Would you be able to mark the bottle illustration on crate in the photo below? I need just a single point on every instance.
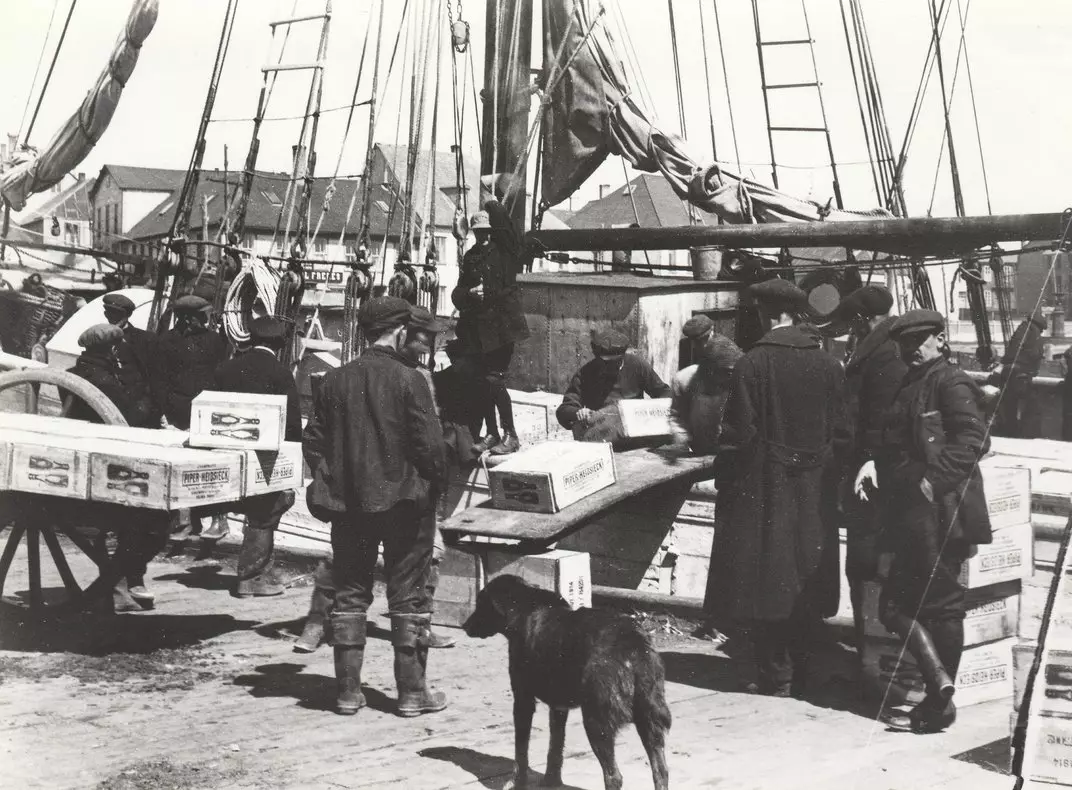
(248, 434)
(231, 420)
(132, 487)
(52, 479)
(120, 472)
(37, 462)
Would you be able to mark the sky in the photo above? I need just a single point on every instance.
(1017, 50)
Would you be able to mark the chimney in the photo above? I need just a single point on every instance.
(81, 177)
(603, 190)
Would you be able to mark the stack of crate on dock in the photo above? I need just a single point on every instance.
(994, 579)
(157, 469)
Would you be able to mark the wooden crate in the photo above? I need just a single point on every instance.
(547, 477)
(268, 471)
(165, 478)
(238, 420)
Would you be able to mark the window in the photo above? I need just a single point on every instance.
(166, 208)
(320, 245)
(272, 197)
(71, 234)
(382, 206)
(107, 219)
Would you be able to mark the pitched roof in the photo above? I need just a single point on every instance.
(396, 159)
(73, 203)
(267, 196)
(146, 179)
(657, 205)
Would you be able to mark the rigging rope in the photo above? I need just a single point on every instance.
(37, 69)
(948, 129)
(975, 110)
(253, 294)
(51, 67)
(707, 81)
(726, 80)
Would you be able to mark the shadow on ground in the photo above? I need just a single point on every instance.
(994, 756)
(493, 772)
(312, 691)
(93, 634)
(200, 580)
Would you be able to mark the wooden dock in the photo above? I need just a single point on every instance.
(206, 692)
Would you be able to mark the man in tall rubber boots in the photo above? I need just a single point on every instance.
(137, 543)
(490, 319)
(776, 562)
(926, 479)
(375, 449)
(259, 371)
(873, 374)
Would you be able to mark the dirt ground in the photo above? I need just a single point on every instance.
(206, 692)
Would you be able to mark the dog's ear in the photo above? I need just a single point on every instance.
(508, 602)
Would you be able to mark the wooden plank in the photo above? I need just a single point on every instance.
(637, 471)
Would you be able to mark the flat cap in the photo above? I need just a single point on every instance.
(609, 341)
(114, 301)
(266, 329)
(191, 304)
(779, 293)
(422, 318)
(721, 352)
(916, 322)
(100, 336)
(697, 326)
(480, 220)
(383, 313)
(868, 302)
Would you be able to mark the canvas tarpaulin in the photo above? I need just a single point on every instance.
(82, 130)
(590, 113)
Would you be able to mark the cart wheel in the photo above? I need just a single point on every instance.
(32, 522)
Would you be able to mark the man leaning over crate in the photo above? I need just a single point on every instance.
(260, 371)
(375, 448)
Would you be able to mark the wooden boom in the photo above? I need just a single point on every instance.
(899, 236)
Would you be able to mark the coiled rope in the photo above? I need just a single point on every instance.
(253, 293)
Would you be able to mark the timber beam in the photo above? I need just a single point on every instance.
(896, 235)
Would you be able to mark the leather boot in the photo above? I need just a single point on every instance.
(256, 576)
(348, 634)
(936, 711)
(409, 633)
(486, 443)
(319, 609)
(509, 444)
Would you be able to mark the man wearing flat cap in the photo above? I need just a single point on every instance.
(187, 357)
(699, 391)
(136, 354)
(612, 376)
(259, 371)
(137, 543)
(490, 318)
(925, 477)
(375, 448)
(873, 375)
(1019, 365)
(776, 557)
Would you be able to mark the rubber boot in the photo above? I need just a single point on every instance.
(122, 600)
(319, 610)
(348, 635)
(256, 575)
(936, 709)
(409, 633)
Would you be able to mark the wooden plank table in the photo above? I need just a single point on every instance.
(637, 471)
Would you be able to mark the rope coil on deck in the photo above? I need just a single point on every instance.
(253, 293)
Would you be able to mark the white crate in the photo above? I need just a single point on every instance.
(1008, 493)
(43, 464)
(1050, 745)
(568, 573)
(1010, 556)
(268, 471)
(992, 613)
(165, 478)
(59, 426)
(643, 417)
(548, 477)
(238, 420)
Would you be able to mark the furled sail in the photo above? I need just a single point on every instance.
(590, 114)
(77, 137)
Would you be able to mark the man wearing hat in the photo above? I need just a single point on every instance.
(926, 478)
(187, 358)
(375, 449)
(612, 376)
(699, 391)
(490, 319)
(136, 543)
(776, 557)
(259, 371)
(873, 375)
(1019, 365)
(135, 353)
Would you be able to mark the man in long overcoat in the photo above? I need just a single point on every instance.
(1019, 365)
(775, 566)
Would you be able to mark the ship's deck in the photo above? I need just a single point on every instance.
(206, 692)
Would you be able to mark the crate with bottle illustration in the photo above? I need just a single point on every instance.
(238, 420)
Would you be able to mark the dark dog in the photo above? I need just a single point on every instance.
(597, 661)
